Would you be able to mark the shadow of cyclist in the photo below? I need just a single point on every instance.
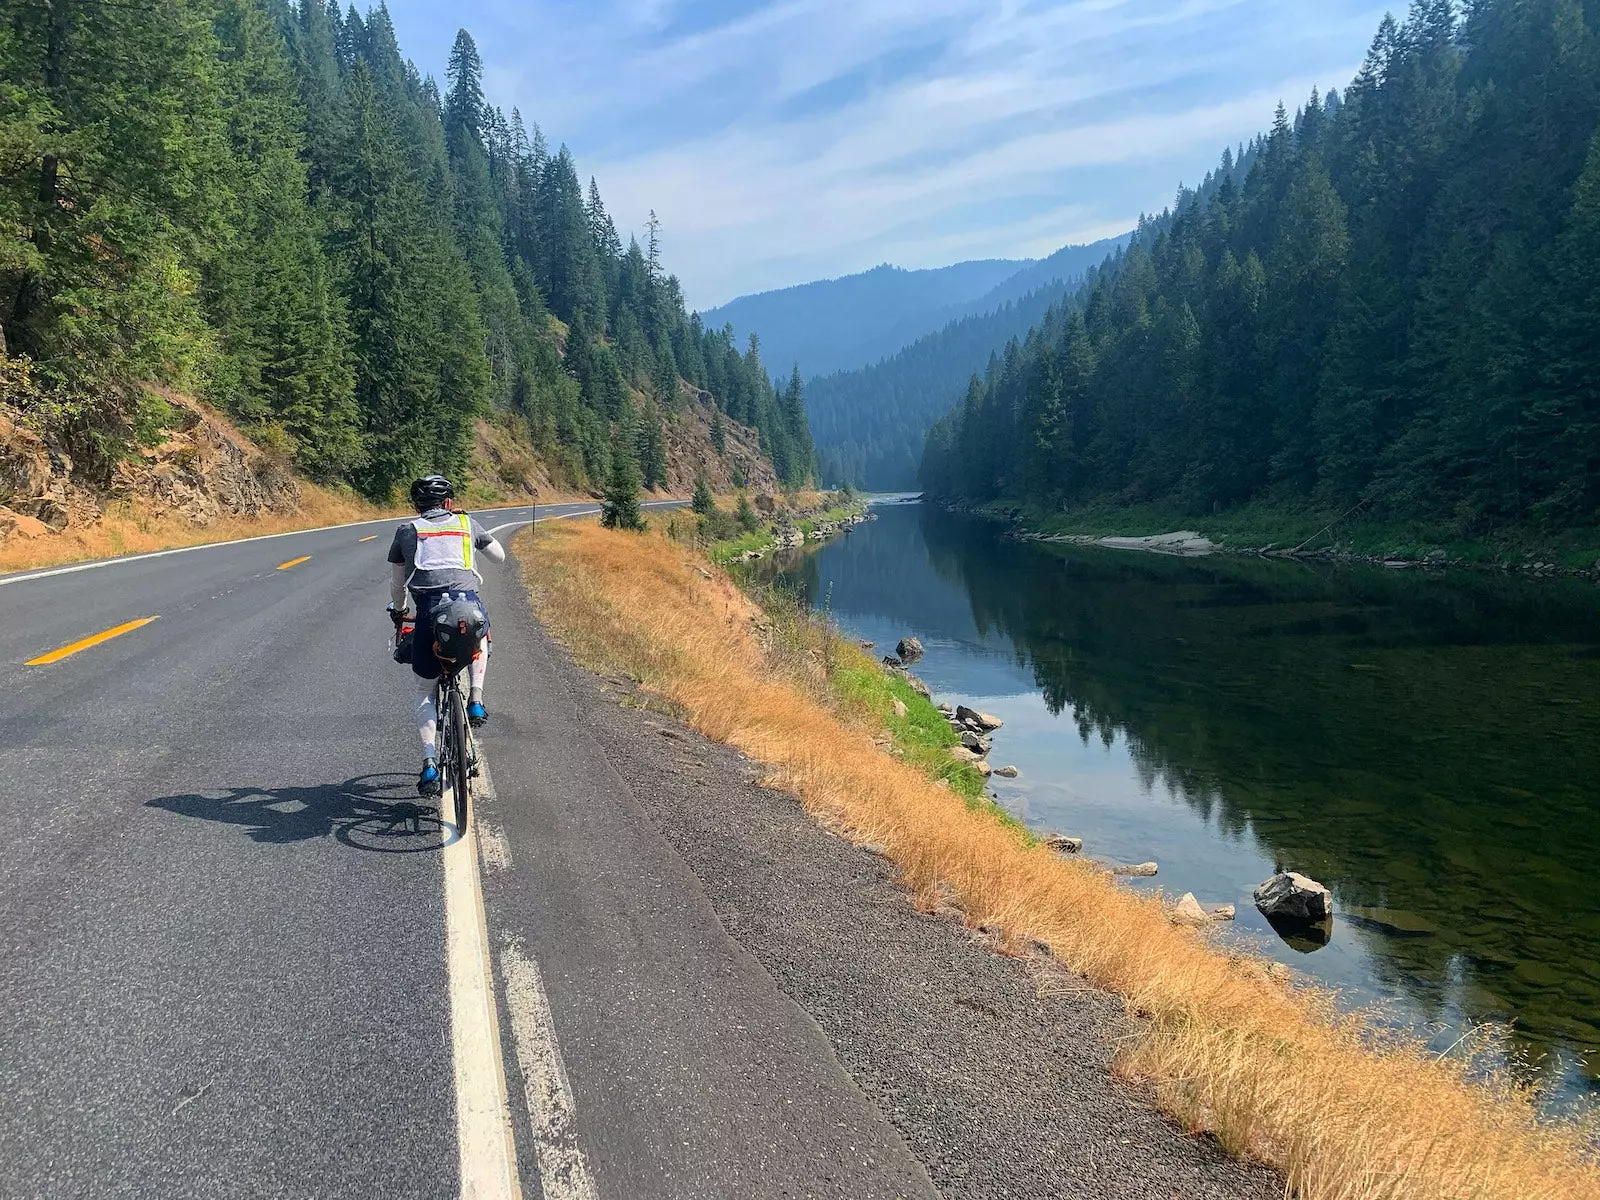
(369, 812)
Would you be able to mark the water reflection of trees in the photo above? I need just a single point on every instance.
(1427, 745)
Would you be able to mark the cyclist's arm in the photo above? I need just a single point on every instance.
(486, 544)
(399, 598)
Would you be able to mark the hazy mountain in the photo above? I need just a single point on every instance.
(834, 324)
(869, 423)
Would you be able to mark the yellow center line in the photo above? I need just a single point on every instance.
(369, 538)
(294, 562)
(67, 651)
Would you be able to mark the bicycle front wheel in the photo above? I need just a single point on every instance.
(461, 757)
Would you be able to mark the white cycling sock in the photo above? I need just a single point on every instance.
(477, 671)
(428, 717)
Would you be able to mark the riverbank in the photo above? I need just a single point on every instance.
(737, 531)
(1316, 534)
(1270, 1071)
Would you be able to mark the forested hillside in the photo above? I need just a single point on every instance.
(870, 423)
(835, 324)
(270, 208)
(1395, 307)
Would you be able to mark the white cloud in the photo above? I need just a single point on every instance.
(1024, 124)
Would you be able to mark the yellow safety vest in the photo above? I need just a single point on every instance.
(444, 544)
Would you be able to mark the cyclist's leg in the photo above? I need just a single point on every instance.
(477, 673)
(425, 667)
(428, 716)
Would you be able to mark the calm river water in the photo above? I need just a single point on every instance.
(1426, 744)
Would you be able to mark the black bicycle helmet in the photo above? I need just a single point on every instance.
(431, 491)
(458, 631)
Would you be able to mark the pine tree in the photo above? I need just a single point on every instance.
(621, 507)
(703, 502)
(112, 143)
(268, 288)
(651, 446)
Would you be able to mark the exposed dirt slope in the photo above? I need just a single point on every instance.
(689, 449)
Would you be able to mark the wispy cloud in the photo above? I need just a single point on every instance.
(792, 139)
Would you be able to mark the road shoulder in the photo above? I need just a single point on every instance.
(994, 1071)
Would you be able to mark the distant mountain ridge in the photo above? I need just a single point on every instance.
(869, 422)
(835, 324)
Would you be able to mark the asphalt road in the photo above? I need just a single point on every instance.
(239, 958)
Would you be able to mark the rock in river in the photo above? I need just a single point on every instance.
(1290, 896)
(1137, 870)
(1189, 912)
(984, 722)
(1007, 772)
(1062, 844)
(976, 743)
(909, 649)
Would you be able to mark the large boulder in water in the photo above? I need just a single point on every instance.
(1292, 897)
(985, 722)
(909, 649)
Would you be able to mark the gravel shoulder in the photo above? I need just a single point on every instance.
(995, 1071)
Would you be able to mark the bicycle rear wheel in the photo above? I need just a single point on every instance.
(460, 765)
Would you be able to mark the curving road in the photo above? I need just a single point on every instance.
(238, 958)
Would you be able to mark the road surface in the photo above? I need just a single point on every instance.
(240, 958)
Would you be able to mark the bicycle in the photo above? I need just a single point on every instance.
(458, 747)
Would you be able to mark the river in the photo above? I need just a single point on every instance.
(1427, 744)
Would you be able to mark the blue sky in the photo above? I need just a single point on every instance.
(800, 139)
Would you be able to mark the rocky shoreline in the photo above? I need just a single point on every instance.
(787, 533)
(1298, 908)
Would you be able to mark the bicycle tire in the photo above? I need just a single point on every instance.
(460, 768)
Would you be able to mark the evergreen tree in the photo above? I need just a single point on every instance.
(269, 206)
(268, 288)
(1396, 309)
(651, 448)
(703, 502)
(111, 135)
(621, 507)
(749, 520)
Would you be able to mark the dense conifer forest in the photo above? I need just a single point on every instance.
(870, 423)
(1396, 307)
(270, 208)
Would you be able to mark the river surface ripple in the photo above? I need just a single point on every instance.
(1425, 743)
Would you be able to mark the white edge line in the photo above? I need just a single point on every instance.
(588, 512)
(486, 1146)
(563, 1170)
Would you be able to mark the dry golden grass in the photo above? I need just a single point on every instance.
(1270, 1070)
(121, 530)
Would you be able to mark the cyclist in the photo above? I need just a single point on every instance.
(432, 563)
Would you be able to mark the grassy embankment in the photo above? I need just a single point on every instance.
(721, 535)
(1260, 526)
(1272, 1072)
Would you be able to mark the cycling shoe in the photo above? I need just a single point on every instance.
(477, 714)
(429, 783)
